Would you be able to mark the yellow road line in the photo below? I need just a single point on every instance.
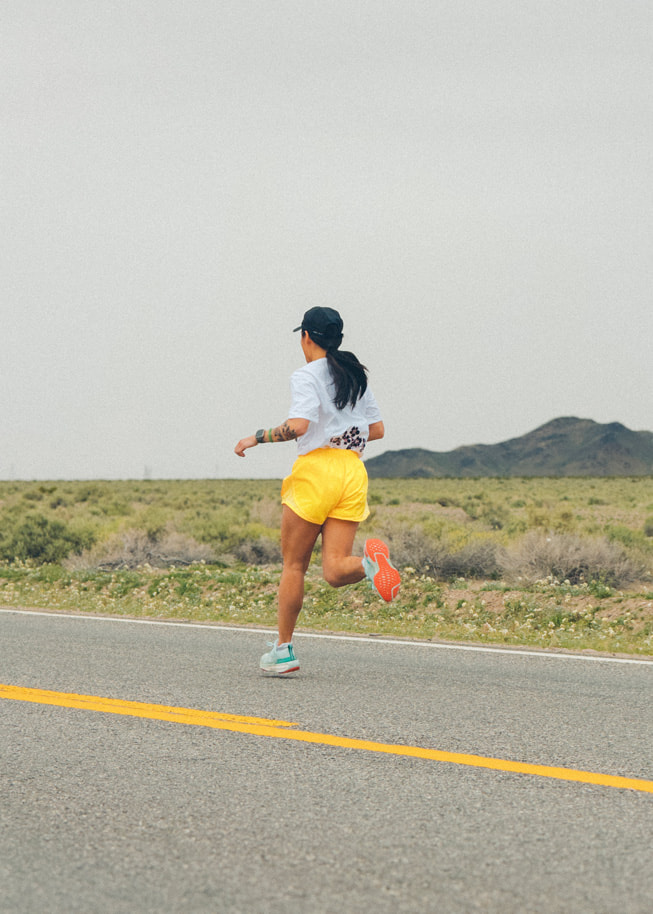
(281, 729)
(137, 709)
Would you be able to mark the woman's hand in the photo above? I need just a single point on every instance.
(244, 443)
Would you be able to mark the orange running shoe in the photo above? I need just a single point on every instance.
(380, 571)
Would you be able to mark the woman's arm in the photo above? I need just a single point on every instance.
(377, 430)
(287, 431)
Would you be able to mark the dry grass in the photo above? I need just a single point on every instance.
(569, 557)
(135, 548)
(550, 563)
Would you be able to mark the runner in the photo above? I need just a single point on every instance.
(333, 414)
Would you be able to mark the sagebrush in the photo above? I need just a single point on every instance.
(571, 529)
(549, 562)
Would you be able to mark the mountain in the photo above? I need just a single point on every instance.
(562, 447)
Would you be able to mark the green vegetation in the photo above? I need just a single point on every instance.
(549, 562)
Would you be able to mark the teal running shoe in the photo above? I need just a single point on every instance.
(280, 659)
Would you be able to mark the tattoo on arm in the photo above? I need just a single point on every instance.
(284, 433)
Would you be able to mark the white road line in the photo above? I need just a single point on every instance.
(369, 639)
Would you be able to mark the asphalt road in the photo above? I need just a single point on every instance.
(108, 813)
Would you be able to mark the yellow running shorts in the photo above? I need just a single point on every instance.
(328, 482)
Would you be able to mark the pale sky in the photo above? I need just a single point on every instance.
(468, 183)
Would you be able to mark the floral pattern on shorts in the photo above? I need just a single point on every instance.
(351, 440)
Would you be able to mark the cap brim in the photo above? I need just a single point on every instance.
(297, 328)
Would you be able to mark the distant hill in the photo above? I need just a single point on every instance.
(563, 447)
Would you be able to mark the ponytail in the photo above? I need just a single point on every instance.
(349, 377)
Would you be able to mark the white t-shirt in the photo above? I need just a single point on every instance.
(312, 391)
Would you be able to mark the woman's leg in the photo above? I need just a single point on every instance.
(298, 538)
(339, 566)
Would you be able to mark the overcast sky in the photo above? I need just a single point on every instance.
(469, 183)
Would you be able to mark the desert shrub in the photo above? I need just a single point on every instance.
(42, 540)
(266, 511)
(576, 559)
(91, 493)
(260, 551)
(412, 546)
(626, 536)
(495, 516)
(477, 559)
(134, 548)
(222, 530)
(33, 495)
(480, 508)
(564, 521)
(113, 508)
(153, 520)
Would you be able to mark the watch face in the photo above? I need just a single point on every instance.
(260, 435)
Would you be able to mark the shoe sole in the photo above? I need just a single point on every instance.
(290, 669)
(387, 579)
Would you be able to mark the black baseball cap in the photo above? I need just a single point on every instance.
(325, 323)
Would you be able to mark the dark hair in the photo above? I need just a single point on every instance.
(349, 377)
(348, 374)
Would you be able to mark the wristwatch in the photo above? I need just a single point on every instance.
(260, 436)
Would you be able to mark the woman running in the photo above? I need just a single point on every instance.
(333, 414)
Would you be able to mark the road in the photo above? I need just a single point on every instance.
(110, 812)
